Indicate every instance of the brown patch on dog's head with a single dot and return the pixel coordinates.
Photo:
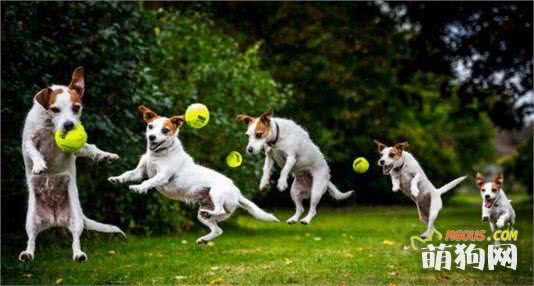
(263, 127)
(148, 115)
(480, 180)
(381, 146)
(47, 97)
(173, 123)
(396, 151)
(498, 181)
(77, 82)
(245, 118)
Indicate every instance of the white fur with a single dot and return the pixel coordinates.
(408, 177)
(173, 173)
(35, 165)
(297, 155)
(500, 212)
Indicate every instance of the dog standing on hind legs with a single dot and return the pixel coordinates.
(290, 147)
(408, 177)
(173, 173)
(51, 173)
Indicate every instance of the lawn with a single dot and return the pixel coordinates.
(356, 245)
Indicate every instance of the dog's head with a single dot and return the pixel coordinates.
(160, 131)
(63, 104)
(390, 157)
(489, 190)
(258, 130)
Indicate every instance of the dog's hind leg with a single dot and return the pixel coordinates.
(76, 229)
(32, 230)
(435, 207)
(297, 197)
(215, 230)
(217, 199)
(319, 186)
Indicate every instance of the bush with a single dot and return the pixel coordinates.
(132, 56)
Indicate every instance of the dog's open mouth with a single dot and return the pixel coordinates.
(154, 146)
(387, 168)
(488, 203)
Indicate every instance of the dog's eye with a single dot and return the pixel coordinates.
(164, 130)
(391, 155)
(76, 108)
(55, 109)
(494, 190)
(258, 135)
(150, 126)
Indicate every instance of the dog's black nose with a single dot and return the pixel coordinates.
(381, 162)
(151, 137)
(249, 149)
(487, 197)
(68, 125)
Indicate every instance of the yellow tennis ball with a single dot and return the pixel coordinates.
(360, 165)
(71, 141)
(197, 115)
(234, 159)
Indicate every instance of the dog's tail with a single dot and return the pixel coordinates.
(449, 186)
(255, 211)
(102, 227)
(337, 194)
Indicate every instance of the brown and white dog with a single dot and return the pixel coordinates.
(289, 146)
(495, 204)
(50, 173)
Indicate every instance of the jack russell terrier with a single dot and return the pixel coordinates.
(408, 177)
(496, 206)
(50, 173)
(172, 172)
(289, 146)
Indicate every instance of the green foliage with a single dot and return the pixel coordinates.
(127, 63)
(519, 165)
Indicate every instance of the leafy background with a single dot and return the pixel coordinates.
(348, 72)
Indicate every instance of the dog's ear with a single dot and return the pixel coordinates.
(380, 145)
(266, 116)
(43, 97)
(402, 146)
(480, 180)
(499, 179)
(78, 81)
(244, 118)
(148, 115)
(177, 120)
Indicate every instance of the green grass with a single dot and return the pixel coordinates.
(341, 246)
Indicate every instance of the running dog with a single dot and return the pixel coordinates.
(290, 147)
(496, 205)
(172, 172)
(50, 173)
(408, 177)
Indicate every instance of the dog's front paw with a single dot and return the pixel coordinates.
(395, 189)
(25, 256)
(138, 189)
(106, 156)
(500, 223)
(115, 180)
(79, 256)
(282, 184)
(415, 192)
(39, 166)
(263, 183)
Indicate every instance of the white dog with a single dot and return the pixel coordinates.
(174, 174)
(290, 147)
(408, 176)
(495, 203)
(50, 173)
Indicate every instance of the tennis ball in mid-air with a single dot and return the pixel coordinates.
(360, 165)
(197, 115)
(72, 140)
(234, 159)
